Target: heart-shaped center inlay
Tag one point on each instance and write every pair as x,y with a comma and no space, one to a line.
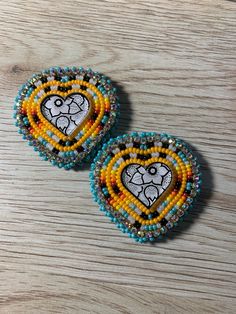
147,184
66,114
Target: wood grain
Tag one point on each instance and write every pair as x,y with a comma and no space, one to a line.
175,68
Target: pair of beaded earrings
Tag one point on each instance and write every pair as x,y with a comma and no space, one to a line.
145,182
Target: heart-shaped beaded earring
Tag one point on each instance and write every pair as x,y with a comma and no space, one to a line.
65,112
145,182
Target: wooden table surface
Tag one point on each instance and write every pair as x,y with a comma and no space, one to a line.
174,63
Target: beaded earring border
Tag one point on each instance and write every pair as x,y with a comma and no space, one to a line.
65,113
145,183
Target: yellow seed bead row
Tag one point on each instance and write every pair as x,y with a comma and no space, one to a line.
139,151
131,198
180,169
54,143
143,163
32,105
123,203
47,124
24,105
100,101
